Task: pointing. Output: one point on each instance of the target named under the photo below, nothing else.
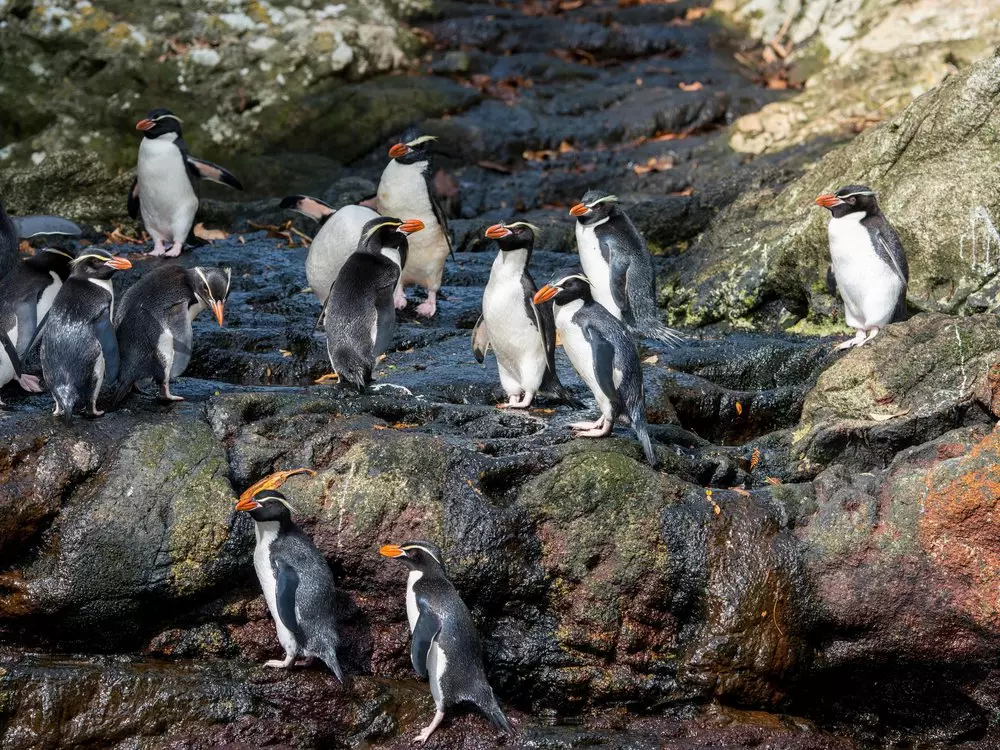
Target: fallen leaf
(685, 192)
(739, 408)
(565, 147)
(772, 480)
(570, 4)
(887, 417)
(716, 509)
(696, 86)
(654, 164)
(285, 353)
(652, 360)
(118, 237)
(741, 491)
(330, 377)
(544, 411)
(273, 481)
(763, 614)
(494, 166)
(203, 233)
(754, 459)
(693, 14)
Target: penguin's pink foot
(428, 307)
(280, 663)
(517, 402)
(307, 662)
(587, 425)
(399, 299)
(871, 334)
(598, 432)
(427, 731)
(174, 250)
(166, 395)
(158, 248)
(858, 340)
(95, 412)
(30, 383)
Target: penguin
(360, 316)
(337, 238)
(12, 369)
(153, 323)
(166, 182)
(15, 229)
(445, 648)
(297, 584)
(79, 348)
(615, 259)
(604, 356)
(867, 260)
(27, 294)
(522, 335)
(405, 189)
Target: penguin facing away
(27, 294)
(522, 335)
(297, 584)
(360, 315)
(153, 323)
(445, 648)
(165, 188)
(603, 355)
(406, 189)
(337, 238)
(867, 261)
(79, 348)
(615, 259)
(16, 228)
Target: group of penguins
(358, 266)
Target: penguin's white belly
(402, 193)
(412, 611)
(595, 267)
(266, 534)
(6, 368)
(868, 285)
(47, 297)
(333, 245)
(165, 350)
(580, 353)
(437, 665)
(518, 344)
(166, 199)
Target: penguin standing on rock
(615, 259)
(604, 356)
(153, 323)
(15, 229)
(165, 188)
(79, 348)
(445, 648)
(360, 316)
(867, 260)
(27, 294)
(406, 189)
(337, 238)
(522, 334)
(297, 584)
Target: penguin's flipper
(890, 250)
(619, 273)
(104, 329)
(480, 340)
(439, 215)
(314, 208)
(11, 352)
(426, 630)
(26, 314)
(133, 199)
(287, 584)
(831, 282)
(206, 170)
(603, 356)
(32, 226)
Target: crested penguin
(406, 189)
(360, 316)
(445, 648)
(297, 584)
(337, 238)
(27, 293)
(615, 259)
(165, 188)
(867, 260)
(604, 356)
(13, 229)
(79, 348)
(522, 335)
(153, 323)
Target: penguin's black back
(889, 248)
(8, 243)
(23, 285)
(629, 259)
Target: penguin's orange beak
(247, 503)
(580, 210)
(391, 550)
(219, 310)
(544, 294)
(828, 200)
(144, 124)
(498, 231)
(410, 226)
(118, 263)
(400, 149)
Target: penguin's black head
(850, 199)
(211, 287)
(50, 259)
(383, 234)
(595, 206)
(413, 148)
(565, 290)
(160, 122)
(517, 235)
(98, 264)
(418, 555)
(267, 505)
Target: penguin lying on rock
(153, 323)
(615, 259)
(79, 348)
(15, 229)
(445, 648)
(335, 242)
(604, 356)
(297, 584)
(522, 334)
(405, 189)
(165, 188)
(867, 260)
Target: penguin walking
(297, 584)
(337, 239)
(615, 259)
(14, 229)
(522, 335)
(405, 189)
(867, 260)
(604, 356)
(166, 182)
(79, 348)
(360, 316)
(445, 648)
(153, 323)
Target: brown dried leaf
(754, 459)
(204, 233)
(494, 166)
(654, 164)
(685, 192)
(739, 408)
(652, 360)
(772, 480)
(695, 86)
(887, 417)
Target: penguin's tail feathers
(121, 389)
(491, 709)
(553, 389)
(654, 329)
(66, 397)
(327, 653)
(352, 368)
(637, 416)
